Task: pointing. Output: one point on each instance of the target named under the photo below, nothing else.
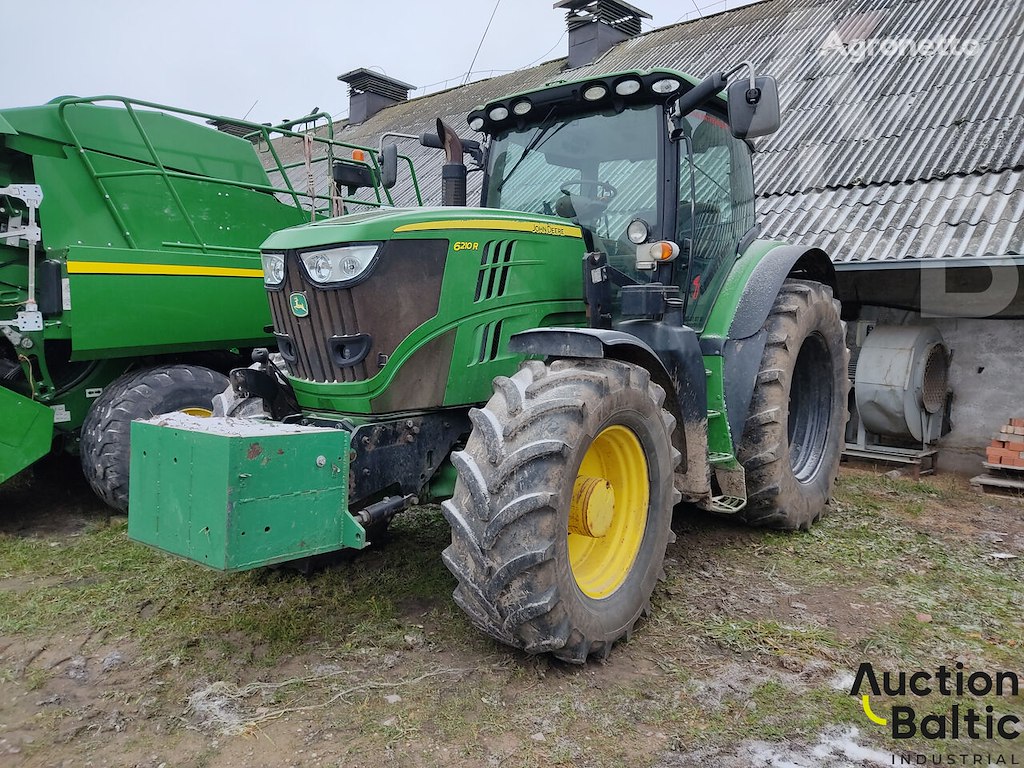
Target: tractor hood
(426, 321)
(398, 223)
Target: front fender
(670, 353)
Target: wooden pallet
(917, 462)
(1000, 479)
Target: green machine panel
(234, 494)
(25, 432)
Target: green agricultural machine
(604, 337)
(130, 275)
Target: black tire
(510, 510)
(105, 448)
(793, 437)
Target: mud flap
(26, 433)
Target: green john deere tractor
(130, 273)
(604, 337)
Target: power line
(549, 50)
(481, 43)
(703, 21)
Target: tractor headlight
(273, 269)
(339, 265)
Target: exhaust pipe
(453, 173)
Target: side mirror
(352, 175)
(754, 111)
(389, 165)
(431, 139)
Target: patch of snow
(229, 426)
(836, 747)
(842, 682)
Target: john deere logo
(300, 307)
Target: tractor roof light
(595, 92)
(498, 113)
(476, 123)
(666, 85)
(627, 87)
(522, 107)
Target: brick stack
(1007, 449)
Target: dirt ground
(113, 655)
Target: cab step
(726, 505)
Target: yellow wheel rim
(608, 515)
(204, 413)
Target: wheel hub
(593, 507)
(203, 413)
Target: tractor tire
(793, 436)
(105, 447)
(561, 454)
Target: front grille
(365, 322)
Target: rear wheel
(563, 506)
(105, 447)
(793, 437)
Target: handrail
(263, 133)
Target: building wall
(986, 376)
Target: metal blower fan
(901, 389)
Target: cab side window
(722, 191)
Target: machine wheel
(141, 394)
(793, 437)
(563, 506)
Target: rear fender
(734, 330)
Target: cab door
(716, 210)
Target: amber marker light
(358, 155)
(664, 250)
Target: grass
(102, 582)
(725, 656)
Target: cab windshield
(599, 169)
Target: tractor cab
(618, 157)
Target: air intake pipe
(453, 173)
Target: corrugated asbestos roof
(900, 156)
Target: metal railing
(263, 137)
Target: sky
(278, 60)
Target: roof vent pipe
(597, 25)
(369, 92)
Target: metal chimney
(369, 92)
(597, 25)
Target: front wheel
(563, 506)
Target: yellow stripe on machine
(534, 227)
(113, 268)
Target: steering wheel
(584, 206)
(603, 192)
